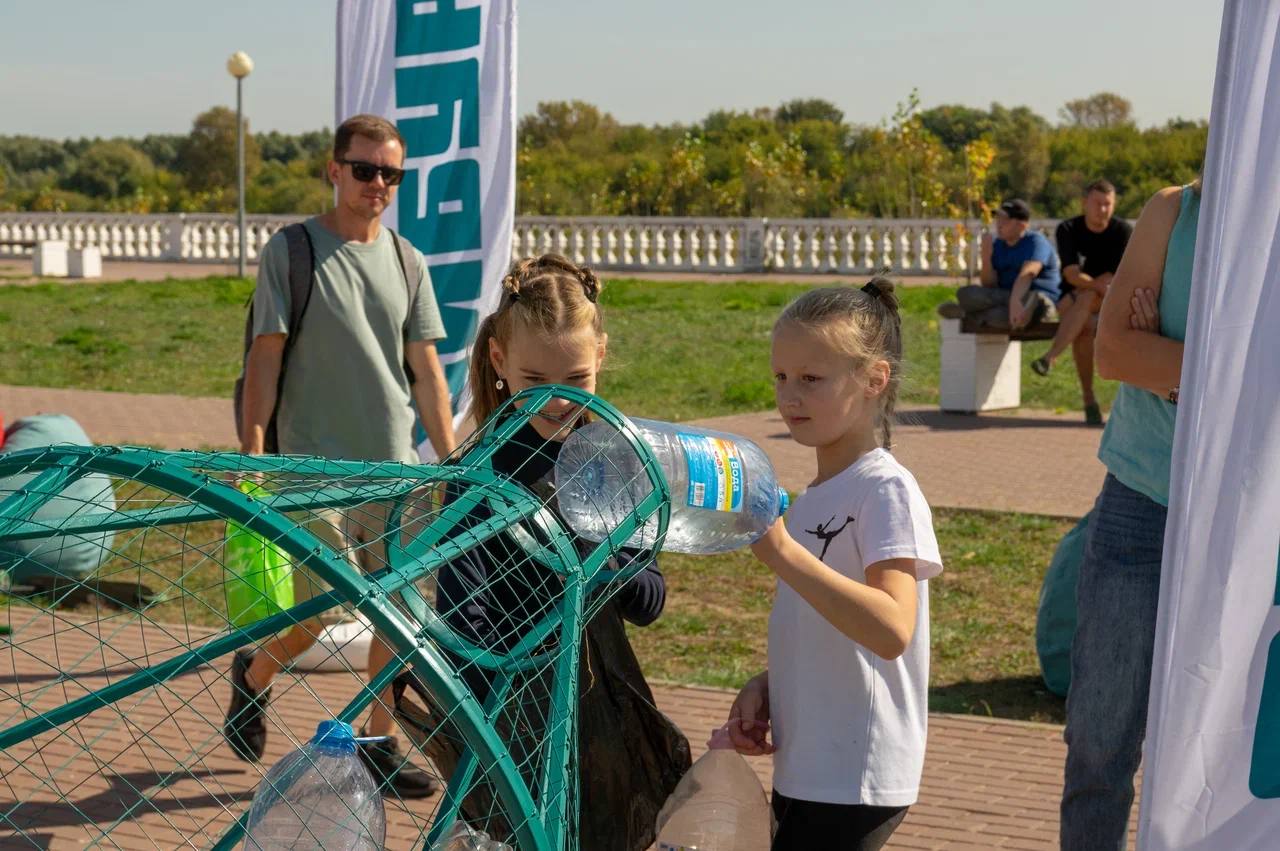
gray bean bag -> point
(44, 561)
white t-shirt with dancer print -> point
(850, 726)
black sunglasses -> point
(364, 172)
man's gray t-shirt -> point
(345, 392)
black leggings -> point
(805, 825)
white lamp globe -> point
(239, 64)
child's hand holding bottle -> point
(749, 717)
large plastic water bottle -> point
(319, 796)
(724, 494)
(719, 805)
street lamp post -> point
(240, 65)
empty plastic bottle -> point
(464, 838)
(719, 805)
(724, 494)
(321, 796)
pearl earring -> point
(499, 384)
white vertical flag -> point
(1213, 742)
(444, 71)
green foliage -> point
(801, 159)
(109, 170)
(809, 109)
(1105, 109)
(207, 157)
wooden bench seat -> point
(1034, 331)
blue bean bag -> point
(71, 557)
(1056, 615)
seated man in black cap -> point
(1021, 282)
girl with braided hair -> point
(549, 329)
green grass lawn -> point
(982, 612)
(715, 626)
(678, 350)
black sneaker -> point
(245, 728)
(396, 776)
(950, 310)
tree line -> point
(801, 159)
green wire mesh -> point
(114, 686)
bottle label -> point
(715, 472)
(667, 846)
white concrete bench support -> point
(49, 260)
(980, 372)
(84, 263)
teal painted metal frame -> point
(540, 825)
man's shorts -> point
(356, 534)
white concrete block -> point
(84, 262)
(979, 372)
(49, 260)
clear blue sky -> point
(92, 68)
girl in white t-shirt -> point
(846, 691)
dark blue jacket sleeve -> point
(462, 597)
(642, 599)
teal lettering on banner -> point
(458, 282)
(450, 221)
(435, 27)
(440, 86)
(1264, 769)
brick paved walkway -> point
(987, 783)
(1030, 461)
(1034, 462)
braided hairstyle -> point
(861, 323)
(549, 295)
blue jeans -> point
(1116, 599)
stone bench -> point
(981, 367)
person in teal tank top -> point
(1139, 343)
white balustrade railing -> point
(653, 243)
(944, 247)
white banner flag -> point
(1213, 740)
(444, 71)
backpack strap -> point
(408, 258)
(301, 275)
(302, 268)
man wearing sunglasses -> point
(336, 385)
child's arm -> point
(642, 599)
(880, 615)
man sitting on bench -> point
(1020, 280)
(1090, 247)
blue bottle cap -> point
(335, 735)
(784, 501)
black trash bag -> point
(631, 755)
